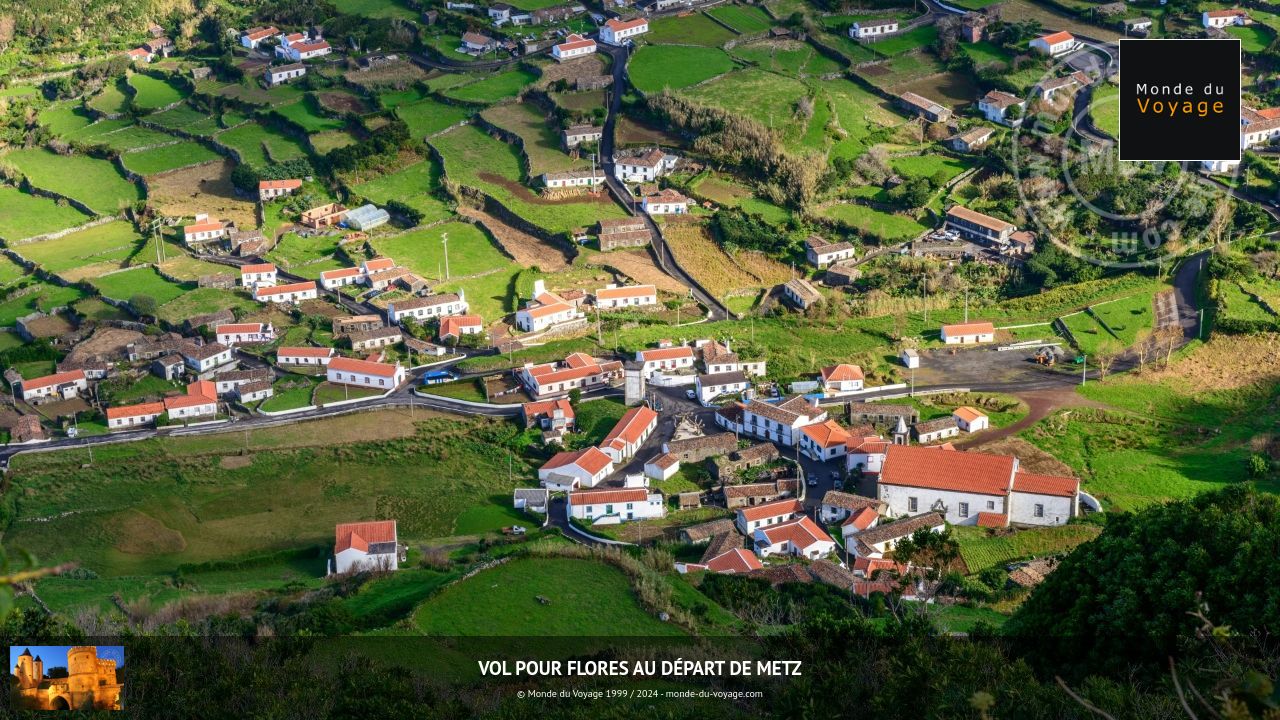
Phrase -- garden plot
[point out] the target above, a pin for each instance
(541, 141)
(187, 119)
(24, 216)
(130, 137)
(1025, 10)
(306, 115)
(45, 298)
(151, 93)
(94, 182)
(493, 88)
(580, 102)
(326, 142)
(416, 185)
(111, 100)
(672, 67)
(201, 189)
(430, 116)
(722, 274)
(886, 227)
(949, 88)
(142, 280)
(84, 253)
(167, 157)
(471, 252)
(65, 119)
(695, 29)
(726, 192)
(474, 159)
(259, 145)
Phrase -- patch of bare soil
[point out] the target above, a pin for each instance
(639, 266)
(235, 462)
(1225, 362)
(342, 103)
(49, 326)
(1030, 457)
(529, 196)
(103, 341)
(203, 188)
(527, 250)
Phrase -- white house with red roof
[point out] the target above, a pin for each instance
(578, 371)
(663, 359)
(140, 54)
(614, 297)
(253, 36)
(968, 333)
(609, 506)
(574, 46)
(838, 506)
(365, 546)
(303, 356)
(201, 400)
(291, 293)
(127, 416)
(206, 230)
(749, 519)
(841, 378)
(364, 373)
(1055, 43)
(824, 441)
(571, 470)
(545, 310)
(736, 560)
(971, 419)
(864, 452)
(334, 279)
(1224, 18)
(60, 386)
(272, 189)
(645, 167)
(665, 202)
(881, 538)
(962, 486)
(456, 326)
(636, 425)
(662, 466)
(300, 46)
(800, 537)
(555, 414)
(428, 306)
(243, 333)
(256, 275)
(619, 32)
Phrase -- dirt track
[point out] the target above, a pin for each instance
(1041, 404)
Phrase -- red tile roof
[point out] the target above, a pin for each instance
(841, 373)
(1026, 482)
(978, 218)
(304, 352)
(826, 434)
(734, 561)
(617, 25)
(279, 184)
(124, 411)
(626, 291)
(284, 289)
(601, 497)
(341, 273)
(258, 268)
(361, 534)
(54, 379)
(973, 328)
(453, 324)
(861, 519)
(239, 328)
(203, 227)
(992, 520)
(364, 367)
(593, 460)
(937, 469)
(1062, 36)
(773, 509)
(968, 414)
(575, 42)
(379, 263)
(632, 425)
(672, 353)
(545, 407)
(800, 532)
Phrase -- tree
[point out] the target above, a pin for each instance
(6, 31)
(1124, 600)
(143, 304)
(929, 556)
(575, 397)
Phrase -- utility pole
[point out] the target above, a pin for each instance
(966, 305)
(444, 240)
(1200, 326)
(1084, 369)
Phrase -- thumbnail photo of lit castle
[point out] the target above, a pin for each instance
(86, 681)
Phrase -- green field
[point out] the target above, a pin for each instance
(186, 118)
(470, 250)
(1253, 38)
(135, 519)
(110, 245)
(152, 93)
(745, 19)
(131, 137)
(260, 145)
(24, 216)
(689, 30)
(928, 166)
(473, 158)
(415, 185)
(168, 157)
(981, 549)
(1104, 108)
(200, 301)
(96, 183)
(111, 100)
(143, 280)
(324, 142)
(378, 9)
(45, 299)
(493, 88)
(655, 67)
(910, 40)
(430, 116)
(306, 115)
(65, 118)
(585, 598)
(857, 112)
(392, 99)
(541, 140)
(724, 191)
(878, 224)
(1127, 318)
(773, 103)
(790, 57)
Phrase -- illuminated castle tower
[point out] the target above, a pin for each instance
(90, 682)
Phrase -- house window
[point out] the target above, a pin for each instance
(964, 509)
(608, 509)
(911, 504)
(1039, 512)
(991, 504)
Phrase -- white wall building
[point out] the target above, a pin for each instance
(366, 546)
(872, 29)
(572, 470)
(968, 333)
(614, 297)
(364, 373)
(614, 506)
(619, 32)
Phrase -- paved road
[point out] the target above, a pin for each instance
(659, 247)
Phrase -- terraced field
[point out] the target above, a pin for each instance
(96, 183)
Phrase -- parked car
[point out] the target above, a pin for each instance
(813, 481)
(691, 394)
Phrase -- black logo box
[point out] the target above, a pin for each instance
(1190, 64)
